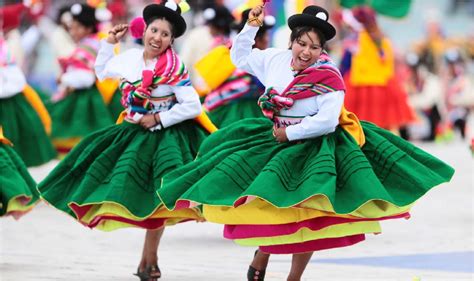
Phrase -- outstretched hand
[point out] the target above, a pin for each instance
(116, 33)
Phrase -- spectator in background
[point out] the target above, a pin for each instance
(202, 39)
(425, 93)
(459, 91)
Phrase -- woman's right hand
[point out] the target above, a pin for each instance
(258, 13)
(116, 33)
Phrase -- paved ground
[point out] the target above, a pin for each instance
(435, 244)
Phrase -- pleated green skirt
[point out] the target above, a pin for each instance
(23, 126)
(79, 114)
(243, 160)
(235, 111)
(115, 106)
(17, 188)
(121, 166)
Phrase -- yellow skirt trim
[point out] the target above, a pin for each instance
(37, 104)
(15, 205)
(115, 209)
(111, 225)
(66, 143)
(259, 211)
(305, 234)
(371, 209)
(3, 139)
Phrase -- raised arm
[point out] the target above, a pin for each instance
(103, 63)
(241, 53)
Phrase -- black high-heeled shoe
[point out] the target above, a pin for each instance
(254, 274)
(151, 272)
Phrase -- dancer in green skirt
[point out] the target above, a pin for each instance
(78, 108)
(22, 113)
(311, 176)
(109, 179)
(18, 192)
(236, 98)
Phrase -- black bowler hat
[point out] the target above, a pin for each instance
(268, 22)
(170, 11)
(314, 16)
(85, 15)
(218, 16)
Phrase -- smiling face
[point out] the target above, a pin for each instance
(306, 50)
(157, 38)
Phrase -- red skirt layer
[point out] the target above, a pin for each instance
(386, 106)
(314, 245)
(315, 224)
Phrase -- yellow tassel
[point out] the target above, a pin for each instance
(35, 102)
(3, 139)
(205, 122)
(107, 89)
(184, 6)
(351, 124)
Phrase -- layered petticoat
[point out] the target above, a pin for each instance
(18, 193)
(109, 179)
(302, 196)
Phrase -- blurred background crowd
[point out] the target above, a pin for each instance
(431, 50)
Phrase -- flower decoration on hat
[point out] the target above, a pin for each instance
(209, 14)
(170, 11)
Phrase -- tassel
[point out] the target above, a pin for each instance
(137, 27)
(184, 6)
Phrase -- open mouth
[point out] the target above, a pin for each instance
(304, 61)
(155, 46)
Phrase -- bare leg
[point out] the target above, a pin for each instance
(298, 265)
(257, 267)
(150, 250)
(260, 260)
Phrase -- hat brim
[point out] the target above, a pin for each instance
(155, 10)
(308, 20)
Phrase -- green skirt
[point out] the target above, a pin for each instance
(109, 179)
(24, 128)
(235, 111)
(115, 106)
(17, 188)
(79, 114)
(244, 160)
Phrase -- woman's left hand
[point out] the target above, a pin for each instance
(150, 120)
(280, 134)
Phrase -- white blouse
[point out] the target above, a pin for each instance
(129, 66)
(320, 114)
(12, 81)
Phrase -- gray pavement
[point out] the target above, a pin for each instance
(435, 244)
